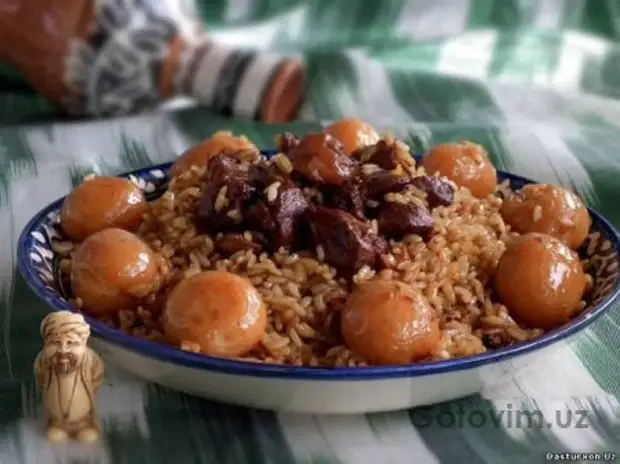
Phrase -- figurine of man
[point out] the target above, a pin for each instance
(70, 373)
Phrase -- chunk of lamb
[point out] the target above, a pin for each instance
(397, 220)
(347, 242)
(280, 216)
(381, 182)
(383, 155)
(228, 189)
(387, 155)
(350, 197)
(260, 176)
(230, 243)
(496, 338)
(320, 159)
(438, 191)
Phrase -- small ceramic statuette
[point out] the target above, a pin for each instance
(70, 373)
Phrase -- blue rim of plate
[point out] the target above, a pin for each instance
(177, 356)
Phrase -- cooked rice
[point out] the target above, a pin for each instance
(272, 191)
(303, 294)
(221, 201)
(283, 163)
(368, 169)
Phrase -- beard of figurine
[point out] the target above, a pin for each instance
(65, 352)
(64, 363)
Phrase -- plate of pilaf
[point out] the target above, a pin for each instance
(336, 273)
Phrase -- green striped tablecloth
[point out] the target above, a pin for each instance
(533, 81)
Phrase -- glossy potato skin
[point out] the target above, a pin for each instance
(112, 270)
(548, 209)
(100, 203)
(464, 163)
(221, 312)
(353, 134)
(389, 323)
(199, 154)
(540, 280)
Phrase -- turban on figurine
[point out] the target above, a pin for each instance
(61, 323)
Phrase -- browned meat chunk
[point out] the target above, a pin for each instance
(259, 176)
(496, 338)
(258, 217)
(350, 197)
(280, 217)
(228, 188)
(223, 166)
(347, 242)
(438, 192)
(384, 156)
(397, 220)
(287, 211)
(319, 158)
(287, 141)
(231, 243)
(382, 182)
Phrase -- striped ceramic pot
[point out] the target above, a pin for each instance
(114, 57)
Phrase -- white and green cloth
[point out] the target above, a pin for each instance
(534, 81)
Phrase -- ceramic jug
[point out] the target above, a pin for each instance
(116, 57)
